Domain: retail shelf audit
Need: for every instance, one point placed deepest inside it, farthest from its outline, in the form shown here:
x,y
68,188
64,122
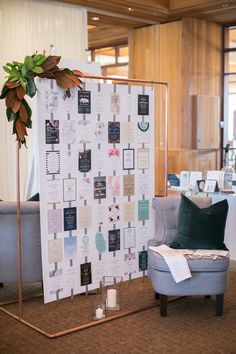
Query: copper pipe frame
x,y
20,302
81,327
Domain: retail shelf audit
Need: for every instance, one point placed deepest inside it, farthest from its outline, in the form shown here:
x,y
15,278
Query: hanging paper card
x,y
129,237
84,135
143,158
114,213
85,216
51,101
54,250
70,247
54,221
114,240
115,103
100,132
99,187
128,185
52,162
85,274
69,189
52,131
128,159
130,263
128,212
100,242
113,132
85,161
143,209
114,185
143,260
143,184
143,133
70,219
68,131
84,102
143,105
127,133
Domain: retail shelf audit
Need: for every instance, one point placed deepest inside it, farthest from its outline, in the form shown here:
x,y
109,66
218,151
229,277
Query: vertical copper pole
x,y
166,136
18,229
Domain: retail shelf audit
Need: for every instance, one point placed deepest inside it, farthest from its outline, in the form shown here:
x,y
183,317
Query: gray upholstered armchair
x,y
209,276
31,244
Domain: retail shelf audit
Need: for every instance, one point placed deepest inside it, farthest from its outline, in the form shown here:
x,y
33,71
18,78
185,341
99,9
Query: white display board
x,y
96,184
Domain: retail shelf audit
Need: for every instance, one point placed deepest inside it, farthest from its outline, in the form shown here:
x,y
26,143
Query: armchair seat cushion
x,y
156,261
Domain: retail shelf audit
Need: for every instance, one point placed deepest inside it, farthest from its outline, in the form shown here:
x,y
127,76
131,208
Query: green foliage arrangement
x,y
20,83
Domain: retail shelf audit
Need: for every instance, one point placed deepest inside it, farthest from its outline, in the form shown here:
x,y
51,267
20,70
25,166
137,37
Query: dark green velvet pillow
x,y
34,198
201,228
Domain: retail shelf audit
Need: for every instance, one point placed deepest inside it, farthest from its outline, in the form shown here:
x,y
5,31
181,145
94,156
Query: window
x,y
230,94
113,60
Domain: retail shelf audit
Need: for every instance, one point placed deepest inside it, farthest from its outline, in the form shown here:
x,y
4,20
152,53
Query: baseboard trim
x,y
232,265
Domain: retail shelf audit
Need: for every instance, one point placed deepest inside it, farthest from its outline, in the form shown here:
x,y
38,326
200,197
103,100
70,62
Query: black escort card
x,y
143,105
99,187
85,161
52,131
143,260
85,274
114,240
84,102
113,132
70,222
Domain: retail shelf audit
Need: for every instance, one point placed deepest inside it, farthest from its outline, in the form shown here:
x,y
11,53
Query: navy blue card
x,y
85,161
52,131
84,102
143,260
70,219
113,132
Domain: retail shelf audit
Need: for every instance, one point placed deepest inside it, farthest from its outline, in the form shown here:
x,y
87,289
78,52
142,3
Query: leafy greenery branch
x,y
20,82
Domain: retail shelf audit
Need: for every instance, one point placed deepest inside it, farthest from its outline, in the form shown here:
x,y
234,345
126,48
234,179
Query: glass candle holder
x,y
111,292
98,307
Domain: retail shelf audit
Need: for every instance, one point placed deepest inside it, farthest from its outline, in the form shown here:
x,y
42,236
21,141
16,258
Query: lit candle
x,y
111,298
99,313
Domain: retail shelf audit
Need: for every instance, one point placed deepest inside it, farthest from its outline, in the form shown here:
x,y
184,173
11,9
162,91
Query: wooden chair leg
x,y
219,304
163,305
157,296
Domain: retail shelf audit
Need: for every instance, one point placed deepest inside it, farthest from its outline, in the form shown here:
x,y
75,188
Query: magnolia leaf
x,y
10,98
20,130
28,62
5,89
50,62
39,59
23,71
28,123
63,79
7,69
10,115
11,84
46,75
16,105
37,69
27,107
31,87
78,73
20,92
23,114
68,71
14,78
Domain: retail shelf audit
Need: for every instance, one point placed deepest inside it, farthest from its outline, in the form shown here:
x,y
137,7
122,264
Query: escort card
x,y
128,159
70,247
84,102
85,274
115,103
143,260
70,219
128,185
128,212
114,240
143,133
52,131
127,133
114,213
143,158
69,189
129,237
69,131
85,216
52,162
85,161
54,221
54,250
143,105
143,209
99,187
113,132
114,185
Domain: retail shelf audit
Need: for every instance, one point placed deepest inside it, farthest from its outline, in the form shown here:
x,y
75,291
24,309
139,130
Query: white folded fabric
x,y
176,262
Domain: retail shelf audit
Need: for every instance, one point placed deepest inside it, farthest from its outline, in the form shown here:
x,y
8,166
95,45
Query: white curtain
x,y
28,26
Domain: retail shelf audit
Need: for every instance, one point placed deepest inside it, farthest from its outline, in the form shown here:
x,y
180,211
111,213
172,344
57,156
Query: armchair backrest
x,y
166,215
